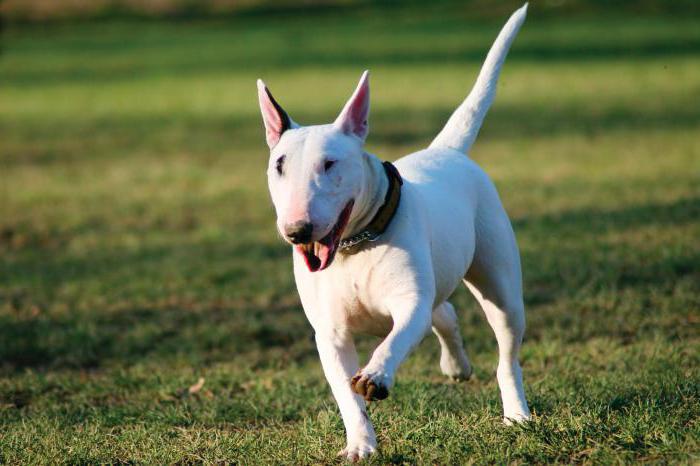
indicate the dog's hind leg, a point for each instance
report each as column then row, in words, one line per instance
column 453, row 359
column 505, row 313
column 495, row 280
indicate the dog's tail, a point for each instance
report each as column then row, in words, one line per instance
column 463, row 126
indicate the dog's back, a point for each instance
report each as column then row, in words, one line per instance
column 458, row 199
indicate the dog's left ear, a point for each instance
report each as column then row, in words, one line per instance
column 353, row 119
column 275, row 118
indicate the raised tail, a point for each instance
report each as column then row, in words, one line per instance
column 463, row 126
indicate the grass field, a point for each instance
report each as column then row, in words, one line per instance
column 138, row 251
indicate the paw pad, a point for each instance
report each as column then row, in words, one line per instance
column 364, row 386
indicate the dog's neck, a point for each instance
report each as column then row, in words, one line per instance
column 372, row 195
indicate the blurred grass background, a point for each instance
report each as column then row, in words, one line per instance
column 138, row 250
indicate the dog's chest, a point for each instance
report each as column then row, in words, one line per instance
column 361, row 312
column 344, row 297
column 350, row 295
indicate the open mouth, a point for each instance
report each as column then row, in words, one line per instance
column 319, row 254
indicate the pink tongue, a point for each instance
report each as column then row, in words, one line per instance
column 320, row 262
column 324, row 253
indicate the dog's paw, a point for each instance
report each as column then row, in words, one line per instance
column 516, row 418
column 371, row 386
column 356, row 451
column 457, row 369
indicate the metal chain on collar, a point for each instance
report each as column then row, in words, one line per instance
column 361, row 237
column 378, row 224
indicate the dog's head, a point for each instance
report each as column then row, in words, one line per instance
column 315, row 173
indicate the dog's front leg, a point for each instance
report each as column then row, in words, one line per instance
column 339, row 361
column 411, row 323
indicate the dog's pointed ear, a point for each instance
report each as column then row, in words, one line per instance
column 275, row 118
column 353, row 119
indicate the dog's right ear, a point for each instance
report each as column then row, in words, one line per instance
column 275, row 118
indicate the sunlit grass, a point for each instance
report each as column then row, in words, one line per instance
column 138, row 250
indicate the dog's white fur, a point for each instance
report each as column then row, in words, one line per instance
column 450, row 227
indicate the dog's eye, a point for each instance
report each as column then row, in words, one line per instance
column 328, row 164
column 279, row 165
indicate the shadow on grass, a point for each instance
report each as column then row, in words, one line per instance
column 271, row 57
column 198, row 334
column 401, row 126
column 183, row 310
column 590, row 222
column 579, row 284
column 579, row 257
column 209, row 328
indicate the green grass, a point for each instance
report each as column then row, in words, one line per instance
column 138, row 250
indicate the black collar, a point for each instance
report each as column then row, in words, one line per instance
column 382, row 218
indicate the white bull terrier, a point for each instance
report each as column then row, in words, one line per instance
column 379, row 253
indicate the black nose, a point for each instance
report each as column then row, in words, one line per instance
column 299, row 232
